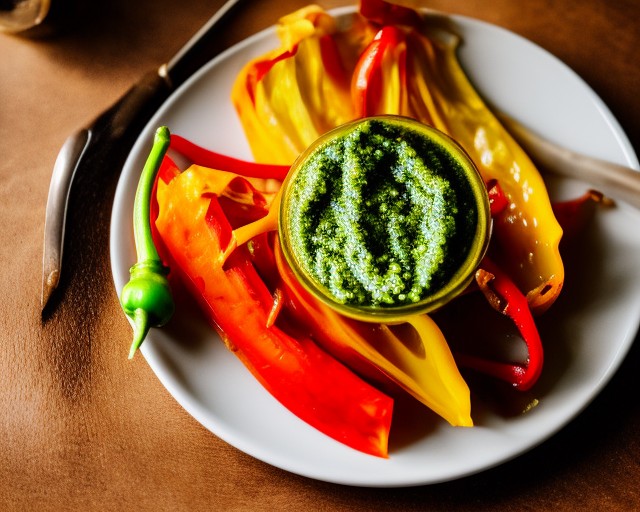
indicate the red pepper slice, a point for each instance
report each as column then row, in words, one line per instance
column 208, row 158
column 505, row 297
column 574, row 214
column 304, row 378
column 497, row 200
column 370, row 91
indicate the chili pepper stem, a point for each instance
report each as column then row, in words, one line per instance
column 146, row 298
column 145, row 247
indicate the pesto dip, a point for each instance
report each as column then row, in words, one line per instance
column 380, row 213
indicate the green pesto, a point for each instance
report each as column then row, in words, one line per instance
column 381, row 215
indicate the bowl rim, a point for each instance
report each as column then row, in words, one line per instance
column 459, row 280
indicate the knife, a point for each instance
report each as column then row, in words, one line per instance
column 116, row 126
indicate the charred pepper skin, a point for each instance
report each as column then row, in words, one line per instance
column 147, row 298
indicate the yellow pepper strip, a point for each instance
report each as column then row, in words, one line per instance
column 526, row 234
column 267, row 223
column 422, row 365
column 281, row 97
column 217, row 182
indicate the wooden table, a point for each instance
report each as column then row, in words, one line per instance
column 83, row 428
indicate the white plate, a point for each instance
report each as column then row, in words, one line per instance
column 587, row 333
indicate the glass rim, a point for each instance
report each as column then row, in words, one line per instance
column 455, row 285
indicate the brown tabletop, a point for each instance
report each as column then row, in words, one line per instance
column 84, row 428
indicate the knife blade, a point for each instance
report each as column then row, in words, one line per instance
column 90, row 145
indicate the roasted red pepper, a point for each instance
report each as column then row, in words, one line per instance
column 304, row 378
column 207, row 158
column 497, row 200
column 373, row 91
column 574, row 214
column 505, row 297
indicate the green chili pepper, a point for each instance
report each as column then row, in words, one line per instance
column 146, row 298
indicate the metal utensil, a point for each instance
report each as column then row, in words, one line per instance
column 126, row 117
column 616, row 181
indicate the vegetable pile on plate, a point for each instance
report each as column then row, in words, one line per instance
column 215, row 226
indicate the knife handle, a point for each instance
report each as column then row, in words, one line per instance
column 100, row 150
column 92, row 155
column 57, row 201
